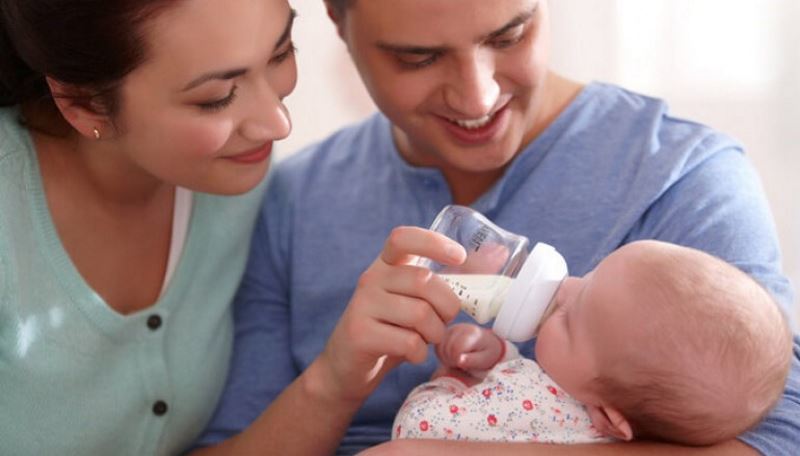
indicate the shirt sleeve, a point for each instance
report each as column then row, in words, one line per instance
column 261, row 364
column 719, row 206
column 779, row 434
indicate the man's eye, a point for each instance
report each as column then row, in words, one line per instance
column 280, row 58
column 415, row 61
column 506, row 42
column 509, row 37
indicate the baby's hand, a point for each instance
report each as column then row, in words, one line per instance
column 470, row 347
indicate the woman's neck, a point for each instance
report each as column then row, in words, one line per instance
column 97, row 170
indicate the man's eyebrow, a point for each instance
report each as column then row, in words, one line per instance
column 423, row 50
column 410, row 49
column 519, row 19
column 235, row 72
column 287, row 31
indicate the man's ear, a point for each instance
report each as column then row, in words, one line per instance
column 81, row 116
column 336, row 18
column 609, row 421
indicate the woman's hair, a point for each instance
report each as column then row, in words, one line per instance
column 88, row 45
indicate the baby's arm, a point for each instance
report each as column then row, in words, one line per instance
column 467, row 351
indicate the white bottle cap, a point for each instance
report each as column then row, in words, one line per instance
column 530, row 294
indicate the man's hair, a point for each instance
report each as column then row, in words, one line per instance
column 340, row 6
column 717, row 352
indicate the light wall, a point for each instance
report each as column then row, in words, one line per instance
column 731, row 64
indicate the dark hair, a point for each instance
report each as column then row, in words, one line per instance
column 89, row 45
column 339, row 6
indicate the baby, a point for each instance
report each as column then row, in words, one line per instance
column 658, row 342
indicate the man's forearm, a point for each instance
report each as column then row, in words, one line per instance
column 299, row 422
column 460, row 448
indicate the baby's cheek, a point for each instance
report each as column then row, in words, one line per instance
column 546, row 346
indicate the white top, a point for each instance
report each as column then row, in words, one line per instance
column 180, row 227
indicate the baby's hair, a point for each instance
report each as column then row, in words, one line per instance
column 716, row 352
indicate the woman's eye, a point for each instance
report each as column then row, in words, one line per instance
column 222, row 103
column 280, row 58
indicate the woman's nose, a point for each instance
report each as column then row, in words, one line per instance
column 268, row 120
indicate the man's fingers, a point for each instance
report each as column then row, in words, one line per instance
column 407, row 242
column 421, row 283
column 397, row 342
column 413, row 314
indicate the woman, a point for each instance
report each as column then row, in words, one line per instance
column 134, row 137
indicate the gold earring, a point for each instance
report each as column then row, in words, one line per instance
column 96, row 133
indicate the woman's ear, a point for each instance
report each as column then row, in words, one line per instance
column 609, row 421
column 87, row 121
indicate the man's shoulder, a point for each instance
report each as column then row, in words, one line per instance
column 345, row 147
column 612, row 129
column 611, row 111
column 347, row 158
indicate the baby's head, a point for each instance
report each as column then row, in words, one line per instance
column 665, row 342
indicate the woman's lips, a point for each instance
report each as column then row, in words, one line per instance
column 253, row 156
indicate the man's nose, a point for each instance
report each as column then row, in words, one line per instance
column 473, row 90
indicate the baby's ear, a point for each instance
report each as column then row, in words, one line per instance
column 609, row 421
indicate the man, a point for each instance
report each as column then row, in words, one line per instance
column 470, row 114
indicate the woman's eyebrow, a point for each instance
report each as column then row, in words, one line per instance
column 219, row 75
column 235, row 72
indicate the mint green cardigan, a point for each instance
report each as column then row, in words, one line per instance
column 75, row 376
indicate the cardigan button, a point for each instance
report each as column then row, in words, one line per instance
column 160, row 408
column 154, row 322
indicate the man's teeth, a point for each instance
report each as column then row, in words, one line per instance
column 472, row 124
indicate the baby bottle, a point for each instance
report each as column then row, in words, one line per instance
column 499, row 279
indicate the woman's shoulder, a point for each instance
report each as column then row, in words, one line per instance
column 15, row 154
column 12, row 132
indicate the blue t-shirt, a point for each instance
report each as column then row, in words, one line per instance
column 614, row 167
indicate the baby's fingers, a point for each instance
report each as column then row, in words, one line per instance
column 478, row 360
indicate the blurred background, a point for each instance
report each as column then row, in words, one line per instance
column 730, row 64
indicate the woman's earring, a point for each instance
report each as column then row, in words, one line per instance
column 96, row 133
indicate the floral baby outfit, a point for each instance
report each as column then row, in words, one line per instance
column 516, row 402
